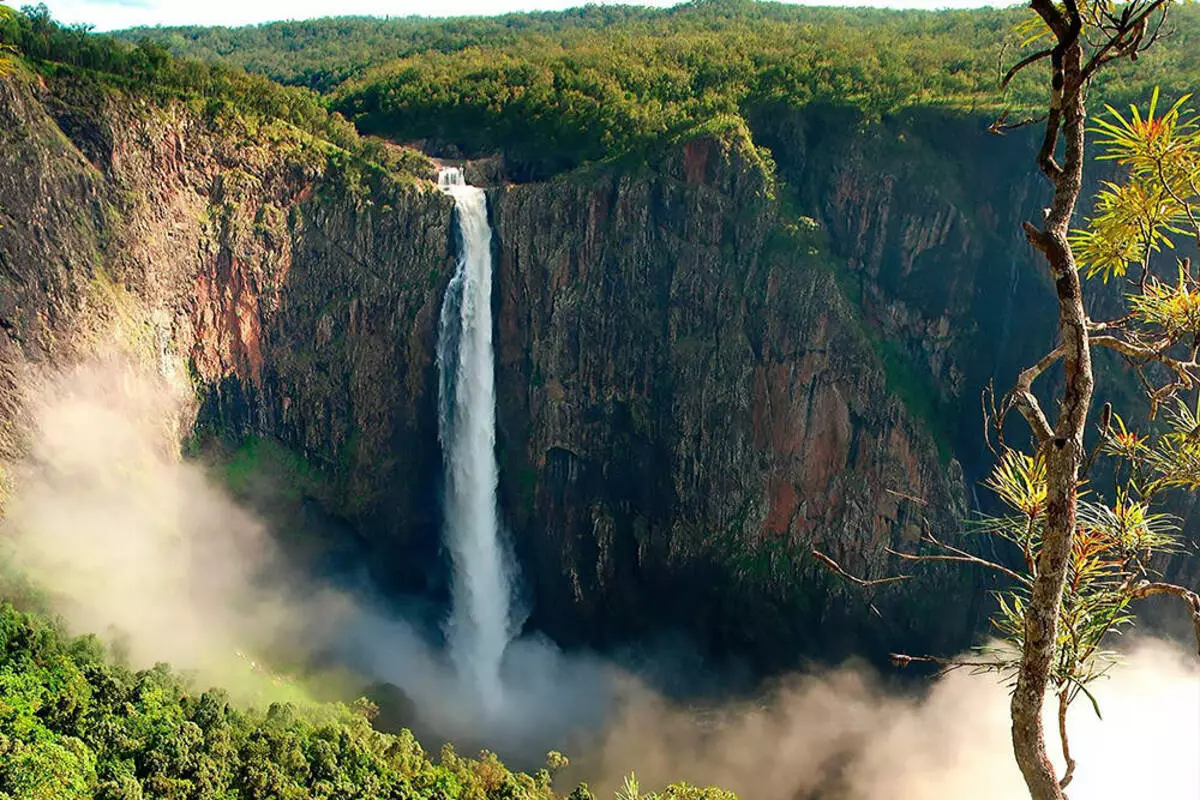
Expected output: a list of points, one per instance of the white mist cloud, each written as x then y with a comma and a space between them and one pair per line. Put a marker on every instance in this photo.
840, 735
125, 535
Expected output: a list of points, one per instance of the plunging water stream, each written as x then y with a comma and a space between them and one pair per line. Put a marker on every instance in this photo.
479, 628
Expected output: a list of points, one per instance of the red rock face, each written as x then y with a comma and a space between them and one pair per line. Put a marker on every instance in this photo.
695, 160
686, 401
304, 306
228, 325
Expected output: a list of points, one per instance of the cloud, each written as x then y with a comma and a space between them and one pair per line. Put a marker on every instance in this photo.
124, 536
842, 735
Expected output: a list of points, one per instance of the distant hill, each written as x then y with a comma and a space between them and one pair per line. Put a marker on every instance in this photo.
563, 88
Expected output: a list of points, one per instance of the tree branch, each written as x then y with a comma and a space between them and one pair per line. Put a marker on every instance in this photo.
1148, 589
1154, 352
902, 660
837, 568
1001, 126
1022, 64
1022, 398
961, 557
1117, 45
1063, 702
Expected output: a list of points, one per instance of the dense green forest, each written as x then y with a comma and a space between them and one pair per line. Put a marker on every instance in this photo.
557, 89
146, 68
75, 722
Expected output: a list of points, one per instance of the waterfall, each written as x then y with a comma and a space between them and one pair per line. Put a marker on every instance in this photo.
479, 627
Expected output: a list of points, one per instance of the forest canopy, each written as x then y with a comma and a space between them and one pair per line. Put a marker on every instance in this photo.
559, 89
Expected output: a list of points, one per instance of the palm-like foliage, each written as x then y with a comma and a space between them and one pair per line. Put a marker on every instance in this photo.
1112, 549
1135, 220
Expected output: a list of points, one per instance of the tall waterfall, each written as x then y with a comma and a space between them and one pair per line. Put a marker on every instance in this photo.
480, 623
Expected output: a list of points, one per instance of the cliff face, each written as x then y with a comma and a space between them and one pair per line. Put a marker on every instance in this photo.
689, 405
697, 385
926, 210
687, 402
296, 287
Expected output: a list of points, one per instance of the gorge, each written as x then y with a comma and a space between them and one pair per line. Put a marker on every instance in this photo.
582, 406
695, 383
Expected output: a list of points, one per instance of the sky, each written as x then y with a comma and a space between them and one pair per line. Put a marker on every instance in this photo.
116, 14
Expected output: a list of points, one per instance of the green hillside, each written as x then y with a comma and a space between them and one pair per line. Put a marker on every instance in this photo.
560, 89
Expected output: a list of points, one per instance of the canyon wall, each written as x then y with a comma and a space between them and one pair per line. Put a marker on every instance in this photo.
702, 373
689, 405
297, 288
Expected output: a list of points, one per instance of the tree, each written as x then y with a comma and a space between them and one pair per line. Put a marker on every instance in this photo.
1084, 36
7, 51
1086, 557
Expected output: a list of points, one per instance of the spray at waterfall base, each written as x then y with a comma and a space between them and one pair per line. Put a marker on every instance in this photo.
105, 495
487, 685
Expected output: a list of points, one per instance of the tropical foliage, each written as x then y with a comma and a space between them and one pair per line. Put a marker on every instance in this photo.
75, 724
554, 90
149, 70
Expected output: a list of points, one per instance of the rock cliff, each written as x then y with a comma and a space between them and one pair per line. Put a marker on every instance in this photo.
689, 404
703, 372
295, 286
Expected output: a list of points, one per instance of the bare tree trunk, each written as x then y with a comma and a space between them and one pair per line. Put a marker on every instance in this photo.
1062, 445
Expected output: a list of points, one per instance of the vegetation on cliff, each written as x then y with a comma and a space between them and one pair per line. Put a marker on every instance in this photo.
555, 90
76, 722
34, 38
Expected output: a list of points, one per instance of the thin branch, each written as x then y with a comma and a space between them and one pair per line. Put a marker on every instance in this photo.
987, 403
1094, 326
1162, 178
1152, 352
837, 569
960, 557
1022, 398
1063, 702
1022, 64
1148, 589
1116, 47
1105, 421
902, 660
1001, 126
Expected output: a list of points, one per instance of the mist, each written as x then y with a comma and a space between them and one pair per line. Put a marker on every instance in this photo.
125, 538
841, 736
128, 540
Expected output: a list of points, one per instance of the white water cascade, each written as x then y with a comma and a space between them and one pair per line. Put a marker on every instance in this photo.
480, 625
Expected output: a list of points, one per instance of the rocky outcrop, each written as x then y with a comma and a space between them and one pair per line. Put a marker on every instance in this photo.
689, 405
297, 286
